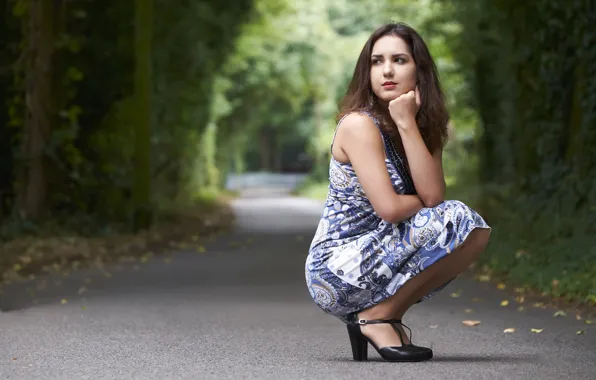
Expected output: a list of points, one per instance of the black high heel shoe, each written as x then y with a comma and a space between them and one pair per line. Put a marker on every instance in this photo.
403, 353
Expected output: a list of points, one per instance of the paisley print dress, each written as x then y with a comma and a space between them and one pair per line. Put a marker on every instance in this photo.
357, 260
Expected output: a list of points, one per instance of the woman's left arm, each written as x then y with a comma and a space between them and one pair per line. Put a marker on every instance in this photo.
426, 168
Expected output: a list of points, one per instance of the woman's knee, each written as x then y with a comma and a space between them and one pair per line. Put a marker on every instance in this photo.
477, 240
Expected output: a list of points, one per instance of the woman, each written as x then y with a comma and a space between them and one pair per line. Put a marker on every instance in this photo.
387, 238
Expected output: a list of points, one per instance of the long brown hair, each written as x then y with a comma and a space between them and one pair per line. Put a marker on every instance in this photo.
432, 117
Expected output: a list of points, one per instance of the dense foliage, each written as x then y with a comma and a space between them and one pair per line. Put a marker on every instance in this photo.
73, 143
533, 81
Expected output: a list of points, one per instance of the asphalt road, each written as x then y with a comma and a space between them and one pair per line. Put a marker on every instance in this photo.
241, 310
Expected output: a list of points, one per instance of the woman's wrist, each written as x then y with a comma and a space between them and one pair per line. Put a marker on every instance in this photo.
406, 123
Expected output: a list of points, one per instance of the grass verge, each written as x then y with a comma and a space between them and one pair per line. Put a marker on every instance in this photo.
51, 251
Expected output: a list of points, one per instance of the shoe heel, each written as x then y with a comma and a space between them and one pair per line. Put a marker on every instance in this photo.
358, 342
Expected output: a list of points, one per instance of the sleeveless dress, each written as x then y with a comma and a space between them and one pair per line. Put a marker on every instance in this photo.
357, 260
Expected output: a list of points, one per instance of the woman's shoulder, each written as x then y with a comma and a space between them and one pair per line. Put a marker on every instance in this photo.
359, 121
359, 131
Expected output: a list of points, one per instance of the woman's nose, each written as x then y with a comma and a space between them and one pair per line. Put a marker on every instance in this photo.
387, 70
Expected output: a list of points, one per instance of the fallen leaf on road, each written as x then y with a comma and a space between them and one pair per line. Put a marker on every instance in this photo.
509, 330
83, 307
200, 249
578, 317
520, 299
504, 303
484, 278
580, 332
519, 290
501, 286
537, 331
14, 358
455, 295
167, 260
521, 308
560, 313
82, 290
538, 304
64, 301
434, 326
476, 299
588, 322
471, 323
469, 310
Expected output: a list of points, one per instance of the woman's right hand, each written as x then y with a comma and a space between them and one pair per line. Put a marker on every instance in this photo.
404, 108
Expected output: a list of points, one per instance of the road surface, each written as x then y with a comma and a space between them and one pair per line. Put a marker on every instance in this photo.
241, 310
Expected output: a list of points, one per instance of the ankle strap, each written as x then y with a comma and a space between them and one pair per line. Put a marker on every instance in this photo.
374, 321
391, 321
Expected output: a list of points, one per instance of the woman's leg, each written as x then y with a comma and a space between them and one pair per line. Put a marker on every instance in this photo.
452, 265
413, 290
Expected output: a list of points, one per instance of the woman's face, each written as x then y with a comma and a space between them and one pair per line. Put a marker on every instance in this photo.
393, 70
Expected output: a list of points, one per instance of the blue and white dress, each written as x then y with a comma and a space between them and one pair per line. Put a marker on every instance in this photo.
357, 260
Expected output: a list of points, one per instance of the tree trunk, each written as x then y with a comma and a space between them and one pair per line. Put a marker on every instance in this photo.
142, 142
33, 186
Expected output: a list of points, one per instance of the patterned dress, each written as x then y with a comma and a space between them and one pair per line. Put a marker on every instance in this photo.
357, 260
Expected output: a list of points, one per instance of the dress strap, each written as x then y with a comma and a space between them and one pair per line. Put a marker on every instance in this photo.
399, 164
336, 129
374, 119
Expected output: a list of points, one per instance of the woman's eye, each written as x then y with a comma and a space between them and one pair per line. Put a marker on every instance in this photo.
399, 60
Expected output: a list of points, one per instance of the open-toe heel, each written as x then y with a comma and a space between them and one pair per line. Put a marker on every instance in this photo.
403, 353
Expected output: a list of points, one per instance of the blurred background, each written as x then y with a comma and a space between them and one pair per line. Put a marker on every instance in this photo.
130, 124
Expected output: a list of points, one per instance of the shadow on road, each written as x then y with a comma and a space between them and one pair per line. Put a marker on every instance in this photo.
461, 358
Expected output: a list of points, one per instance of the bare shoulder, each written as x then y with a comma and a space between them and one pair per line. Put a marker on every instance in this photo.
357, 123
359, 127
357, 135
